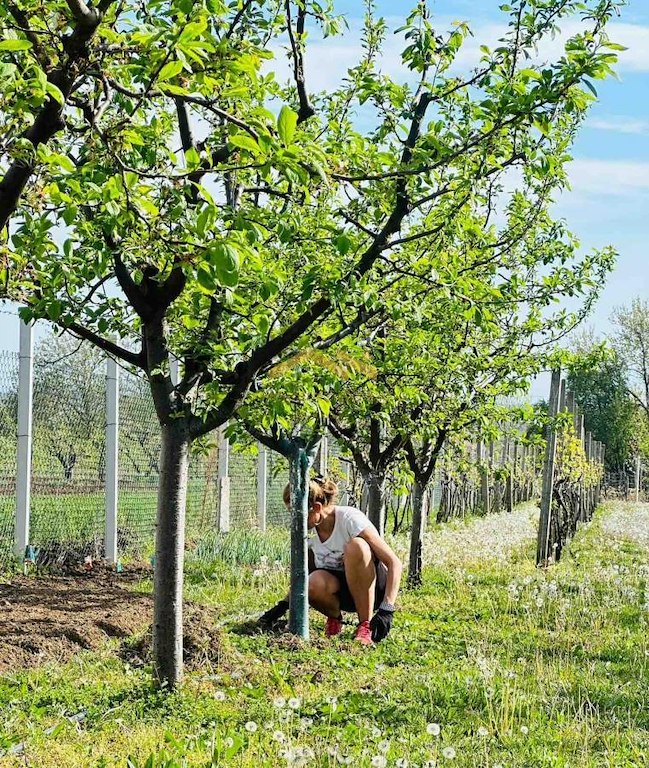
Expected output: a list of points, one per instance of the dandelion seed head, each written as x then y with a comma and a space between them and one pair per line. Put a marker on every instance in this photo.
219, 695
294, 702
279, 702
379, 761
251, 726
433, 729
449, 753
524, 730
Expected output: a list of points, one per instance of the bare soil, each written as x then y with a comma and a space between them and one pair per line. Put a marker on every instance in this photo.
50, 618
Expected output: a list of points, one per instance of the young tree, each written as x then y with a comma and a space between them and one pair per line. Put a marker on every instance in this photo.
157, 200
70, 400
601, 392
631, 343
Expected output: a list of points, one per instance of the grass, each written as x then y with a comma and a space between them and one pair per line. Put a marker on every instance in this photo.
518, 668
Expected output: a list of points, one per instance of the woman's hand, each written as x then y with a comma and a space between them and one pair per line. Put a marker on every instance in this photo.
381, 624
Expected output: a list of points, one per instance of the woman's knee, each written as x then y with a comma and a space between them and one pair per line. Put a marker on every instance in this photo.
320, 585
358, 549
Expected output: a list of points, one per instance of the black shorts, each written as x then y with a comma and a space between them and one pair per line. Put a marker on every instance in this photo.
345, 596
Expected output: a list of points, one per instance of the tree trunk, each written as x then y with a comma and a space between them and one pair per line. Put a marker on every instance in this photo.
170, 552
300, 462
375, 484
417, 533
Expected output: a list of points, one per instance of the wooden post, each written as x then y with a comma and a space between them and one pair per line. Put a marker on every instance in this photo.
514, 474
602, 456
509, 480
543, 544
484, 479
495, 485
590, 491
637, 478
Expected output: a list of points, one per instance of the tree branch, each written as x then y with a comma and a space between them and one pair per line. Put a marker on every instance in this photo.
80, 331
49, 119
306, 110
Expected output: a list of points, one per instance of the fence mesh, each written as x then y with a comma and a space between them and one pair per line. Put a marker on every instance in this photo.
8, 444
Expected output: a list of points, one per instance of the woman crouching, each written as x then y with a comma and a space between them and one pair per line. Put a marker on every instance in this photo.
351, 568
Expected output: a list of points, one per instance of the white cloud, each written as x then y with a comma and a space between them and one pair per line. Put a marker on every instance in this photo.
608, 178
620, 124
636, 38
327, 61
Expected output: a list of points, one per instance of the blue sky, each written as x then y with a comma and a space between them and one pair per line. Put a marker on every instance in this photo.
610, 173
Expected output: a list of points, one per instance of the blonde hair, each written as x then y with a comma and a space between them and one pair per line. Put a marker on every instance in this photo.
321, 489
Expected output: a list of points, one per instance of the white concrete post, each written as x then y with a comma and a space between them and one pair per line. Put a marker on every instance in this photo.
224, 482
346, 474
24, 449
322, 458
262, 484
174, 370
637, 478
112, 458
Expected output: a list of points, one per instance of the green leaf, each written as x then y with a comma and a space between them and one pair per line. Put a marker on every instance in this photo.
192, 158
63, 161
225, 260
286, 125
244, 141
170, 70
324, 405
15, 45
342, 243
54, 92
175, 90
205, 281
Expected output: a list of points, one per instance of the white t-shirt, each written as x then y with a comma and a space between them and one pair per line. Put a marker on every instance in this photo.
348, 524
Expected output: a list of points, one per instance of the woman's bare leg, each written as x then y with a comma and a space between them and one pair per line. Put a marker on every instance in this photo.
360, 573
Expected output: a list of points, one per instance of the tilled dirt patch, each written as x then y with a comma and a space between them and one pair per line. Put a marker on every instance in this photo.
51, 618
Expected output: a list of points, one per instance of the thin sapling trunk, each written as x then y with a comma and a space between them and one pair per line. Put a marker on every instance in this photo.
300, 462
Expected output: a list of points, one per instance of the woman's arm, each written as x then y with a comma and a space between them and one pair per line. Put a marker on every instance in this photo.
386, 555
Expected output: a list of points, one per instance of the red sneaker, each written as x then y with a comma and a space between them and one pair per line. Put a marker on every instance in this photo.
364, 633
333, 626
